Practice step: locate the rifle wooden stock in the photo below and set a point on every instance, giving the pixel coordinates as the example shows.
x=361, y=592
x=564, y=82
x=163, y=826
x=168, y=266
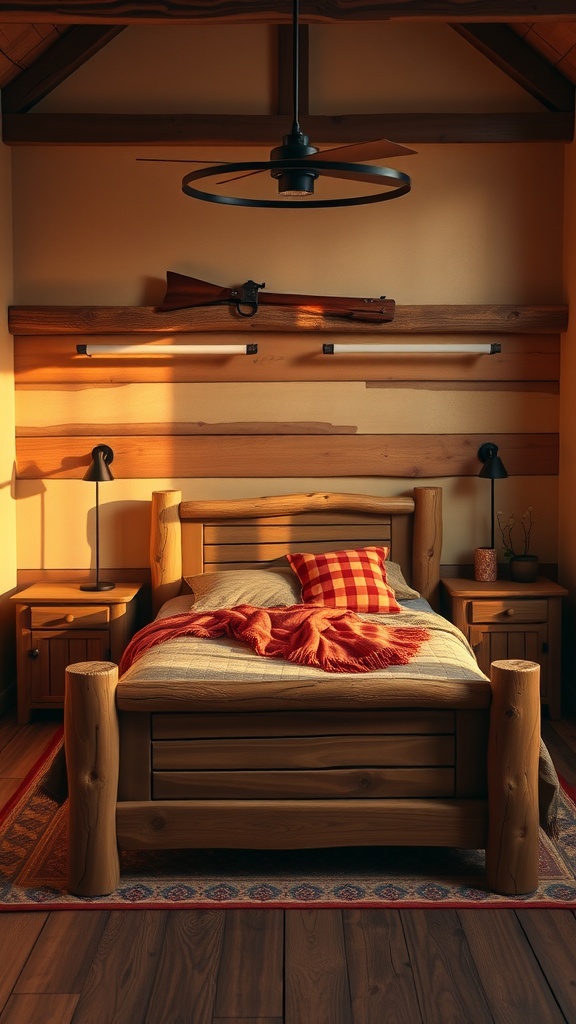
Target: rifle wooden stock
x=184, y=292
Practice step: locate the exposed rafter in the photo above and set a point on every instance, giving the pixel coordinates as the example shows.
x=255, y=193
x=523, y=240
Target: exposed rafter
x=518, y=60
x=209, y=11
x=68, y=53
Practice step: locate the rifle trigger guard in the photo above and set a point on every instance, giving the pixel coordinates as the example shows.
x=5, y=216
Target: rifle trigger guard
x=248, y=299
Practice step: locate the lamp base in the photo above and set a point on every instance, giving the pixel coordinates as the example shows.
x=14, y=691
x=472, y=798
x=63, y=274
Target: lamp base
x=101, y=585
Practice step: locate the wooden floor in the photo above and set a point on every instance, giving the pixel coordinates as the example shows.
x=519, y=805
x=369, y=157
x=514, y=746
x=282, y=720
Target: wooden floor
x=269, y=966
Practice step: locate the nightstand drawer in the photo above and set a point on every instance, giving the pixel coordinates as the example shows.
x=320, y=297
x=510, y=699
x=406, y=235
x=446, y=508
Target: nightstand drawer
x=508, y=610
x=69, y=616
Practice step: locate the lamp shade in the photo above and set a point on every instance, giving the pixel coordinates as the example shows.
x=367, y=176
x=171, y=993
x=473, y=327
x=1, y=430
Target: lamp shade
x=493, y=468
x=99, y=471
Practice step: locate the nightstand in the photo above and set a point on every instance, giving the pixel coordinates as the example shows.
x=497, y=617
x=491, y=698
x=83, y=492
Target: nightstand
x=58, y=624
x=511, y=620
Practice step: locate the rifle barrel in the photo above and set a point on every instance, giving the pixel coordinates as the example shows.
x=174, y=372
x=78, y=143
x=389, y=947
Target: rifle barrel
x=184, y=292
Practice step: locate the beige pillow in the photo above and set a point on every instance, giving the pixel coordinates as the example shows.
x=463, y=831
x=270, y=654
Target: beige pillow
x=395, y=578
x=264, y=588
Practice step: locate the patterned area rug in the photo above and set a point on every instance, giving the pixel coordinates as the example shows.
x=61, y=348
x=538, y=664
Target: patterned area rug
x=33, y=870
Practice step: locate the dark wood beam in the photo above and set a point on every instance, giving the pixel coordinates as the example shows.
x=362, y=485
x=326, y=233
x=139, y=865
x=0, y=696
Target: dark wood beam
x=210, y=11
x=501, y=45
x=65, y=56
x=267, y=130
x=94, y=320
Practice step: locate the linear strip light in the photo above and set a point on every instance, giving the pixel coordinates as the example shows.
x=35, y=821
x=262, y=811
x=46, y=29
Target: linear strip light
x=166, y=350
x=447, y=348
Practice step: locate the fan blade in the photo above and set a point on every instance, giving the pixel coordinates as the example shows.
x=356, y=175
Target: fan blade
x=358, y=152
x=167, y=160
x=237, y=177
x=366, y=179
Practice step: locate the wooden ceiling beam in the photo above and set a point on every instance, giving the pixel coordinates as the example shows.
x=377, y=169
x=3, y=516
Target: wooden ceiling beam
x=501, y=45
x=110, y=12
x=267, y=129
x=54, y=66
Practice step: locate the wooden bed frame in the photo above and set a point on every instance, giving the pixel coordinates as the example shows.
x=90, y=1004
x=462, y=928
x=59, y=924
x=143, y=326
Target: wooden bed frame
x=309, y=764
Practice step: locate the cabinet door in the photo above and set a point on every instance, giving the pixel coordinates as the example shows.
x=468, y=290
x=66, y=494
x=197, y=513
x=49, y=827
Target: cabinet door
x=497, y=643
x=51, y=653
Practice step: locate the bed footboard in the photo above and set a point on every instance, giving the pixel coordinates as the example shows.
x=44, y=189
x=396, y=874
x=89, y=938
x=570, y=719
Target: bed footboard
x=97, y=820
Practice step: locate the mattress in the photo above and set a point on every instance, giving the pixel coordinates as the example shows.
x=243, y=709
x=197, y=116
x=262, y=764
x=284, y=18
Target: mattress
x=445, y=656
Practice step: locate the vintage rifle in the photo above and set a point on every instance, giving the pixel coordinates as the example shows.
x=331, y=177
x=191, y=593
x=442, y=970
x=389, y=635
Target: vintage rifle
x=185, y=292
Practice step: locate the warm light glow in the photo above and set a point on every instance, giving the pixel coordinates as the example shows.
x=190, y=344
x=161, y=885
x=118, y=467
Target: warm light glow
x=446, y=348
x=166, y=350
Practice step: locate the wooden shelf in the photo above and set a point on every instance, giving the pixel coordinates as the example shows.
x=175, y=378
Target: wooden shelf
x=98, y=320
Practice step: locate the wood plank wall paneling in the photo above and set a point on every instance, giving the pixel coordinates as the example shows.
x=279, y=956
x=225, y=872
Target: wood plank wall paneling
x=287, y=412
x=400, y=455
x=47, y=359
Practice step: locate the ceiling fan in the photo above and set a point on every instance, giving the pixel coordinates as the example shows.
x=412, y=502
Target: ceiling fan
x=296, y=164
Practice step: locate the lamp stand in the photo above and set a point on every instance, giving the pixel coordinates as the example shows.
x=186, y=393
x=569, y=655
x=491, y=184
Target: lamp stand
x=492, y=512
x=99, y=584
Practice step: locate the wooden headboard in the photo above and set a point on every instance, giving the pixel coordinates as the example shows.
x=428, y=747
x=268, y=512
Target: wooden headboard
x=189, y=537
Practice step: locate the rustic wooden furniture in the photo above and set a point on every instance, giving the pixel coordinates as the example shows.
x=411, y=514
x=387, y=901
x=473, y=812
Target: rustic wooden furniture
x=512, y=620
x=399, y=737
x=56, y=624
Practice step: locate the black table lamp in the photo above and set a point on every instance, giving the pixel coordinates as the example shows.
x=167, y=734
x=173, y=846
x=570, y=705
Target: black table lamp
x=493, y=469
x=98, y=472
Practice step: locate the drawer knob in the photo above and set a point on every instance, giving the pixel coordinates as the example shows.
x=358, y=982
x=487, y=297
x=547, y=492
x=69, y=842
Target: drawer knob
x=69, y=617
x=510, y=612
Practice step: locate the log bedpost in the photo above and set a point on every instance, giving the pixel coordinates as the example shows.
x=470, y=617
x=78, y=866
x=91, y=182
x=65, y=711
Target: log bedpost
x=165, y=547
x=427, y=542
x=92, y=762
x=513, y=751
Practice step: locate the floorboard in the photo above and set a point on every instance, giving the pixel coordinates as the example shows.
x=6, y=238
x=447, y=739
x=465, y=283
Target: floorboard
x=447, y=980
x=317, y=987
x=513, y=983
x=63, y=953
x=250, y=978
x=552, y=936
x=184, y=986
x=382, y=985
x=119, y=981
x=38, y=1007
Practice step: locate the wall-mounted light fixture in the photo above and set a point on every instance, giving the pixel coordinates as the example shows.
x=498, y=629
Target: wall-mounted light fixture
x=444, y=348
x=166, y=350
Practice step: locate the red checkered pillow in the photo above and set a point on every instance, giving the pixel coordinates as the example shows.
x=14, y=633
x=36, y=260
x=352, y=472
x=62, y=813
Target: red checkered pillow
x=354, y=579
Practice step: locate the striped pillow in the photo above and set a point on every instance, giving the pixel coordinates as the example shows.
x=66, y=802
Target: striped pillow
x=354, y=579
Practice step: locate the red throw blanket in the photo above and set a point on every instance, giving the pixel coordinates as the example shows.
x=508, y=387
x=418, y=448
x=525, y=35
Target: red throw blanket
x=332, y=639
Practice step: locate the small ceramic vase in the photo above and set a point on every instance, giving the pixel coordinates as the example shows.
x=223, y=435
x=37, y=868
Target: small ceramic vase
x=485, y=565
